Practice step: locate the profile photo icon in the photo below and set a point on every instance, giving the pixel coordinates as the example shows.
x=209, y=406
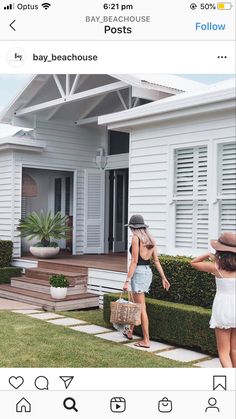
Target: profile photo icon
x=212, y=402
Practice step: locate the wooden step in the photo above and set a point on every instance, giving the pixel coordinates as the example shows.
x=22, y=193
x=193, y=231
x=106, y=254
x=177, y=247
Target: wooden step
x=45, y=273
x=62, y=266
x=43, y=286
x=46, y=302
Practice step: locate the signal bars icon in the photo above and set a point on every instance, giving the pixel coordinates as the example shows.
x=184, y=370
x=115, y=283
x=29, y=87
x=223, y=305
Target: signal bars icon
x=9, y=6
x=46, y=5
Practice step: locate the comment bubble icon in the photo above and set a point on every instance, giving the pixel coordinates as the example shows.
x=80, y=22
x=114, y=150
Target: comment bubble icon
x=41, y=383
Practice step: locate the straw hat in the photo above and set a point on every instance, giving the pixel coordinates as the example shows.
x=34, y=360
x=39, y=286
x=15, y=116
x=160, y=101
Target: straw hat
x=225, y=243
x=136, y=221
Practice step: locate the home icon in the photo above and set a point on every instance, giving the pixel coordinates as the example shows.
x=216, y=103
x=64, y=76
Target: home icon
x=23, y=406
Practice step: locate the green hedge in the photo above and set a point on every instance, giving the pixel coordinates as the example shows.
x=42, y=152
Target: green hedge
x=177, y=324
x=188, y=286
x=7, y=273
x=6, y=249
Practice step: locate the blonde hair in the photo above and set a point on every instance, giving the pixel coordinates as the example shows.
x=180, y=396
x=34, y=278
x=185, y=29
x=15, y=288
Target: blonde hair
x=144, y=236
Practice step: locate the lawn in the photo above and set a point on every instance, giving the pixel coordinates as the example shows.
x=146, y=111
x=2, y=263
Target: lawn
x=27, y=342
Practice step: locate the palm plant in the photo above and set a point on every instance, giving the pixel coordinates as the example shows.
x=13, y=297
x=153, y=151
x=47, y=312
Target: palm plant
x=44, y=227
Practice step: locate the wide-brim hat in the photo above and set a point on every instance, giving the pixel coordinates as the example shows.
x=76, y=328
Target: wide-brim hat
x=225, y=243
x=136, y=221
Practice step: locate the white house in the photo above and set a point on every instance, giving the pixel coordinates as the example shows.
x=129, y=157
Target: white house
x=100, y=148
x=75, y=164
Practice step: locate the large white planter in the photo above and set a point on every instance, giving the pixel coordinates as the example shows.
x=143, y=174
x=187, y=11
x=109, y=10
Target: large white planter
x=44, y=252
x=58, y=293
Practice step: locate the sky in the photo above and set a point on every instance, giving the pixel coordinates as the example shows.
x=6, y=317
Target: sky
x=11, y=85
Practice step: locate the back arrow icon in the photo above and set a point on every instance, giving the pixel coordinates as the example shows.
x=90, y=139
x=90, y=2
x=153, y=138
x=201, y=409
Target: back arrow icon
x=12, y=23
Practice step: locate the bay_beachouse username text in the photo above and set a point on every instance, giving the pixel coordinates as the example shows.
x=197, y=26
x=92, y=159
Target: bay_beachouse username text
x=48, y=58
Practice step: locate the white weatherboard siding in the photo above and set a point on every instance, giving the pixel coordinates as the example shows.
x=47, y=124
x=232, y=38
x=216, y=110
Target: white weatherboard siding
x=6, y=195
x=103, y=281
x=68, y=148
x=152, y=169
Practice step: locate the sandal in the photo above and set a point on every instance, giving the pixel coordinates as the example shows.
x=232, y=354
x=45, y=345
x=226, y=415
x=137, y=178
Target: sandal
x=139, y=345
x=127, y=336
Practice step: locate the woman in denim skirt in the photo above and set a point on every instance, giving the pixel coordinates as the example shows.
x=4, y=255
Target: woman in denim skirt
x=142, y=248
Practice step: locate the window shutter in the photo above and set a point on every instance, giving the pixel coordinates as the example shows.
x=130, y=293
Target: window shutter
x=201, y=169
x=227, y=186
x=94, y=214
x=184, y=224
x=227, y=215
x=201, y=238
x=191, y=223
x=227, y=178
x=184, y=163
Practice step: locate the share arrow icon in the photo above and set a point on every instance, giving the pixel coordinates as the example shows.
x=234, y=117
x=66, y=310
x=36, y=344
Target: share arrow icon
x=67, y=380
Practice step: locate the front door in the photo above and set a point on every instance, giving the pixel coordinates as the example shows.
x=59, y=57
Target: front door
x=118, y=209
x=61, y=200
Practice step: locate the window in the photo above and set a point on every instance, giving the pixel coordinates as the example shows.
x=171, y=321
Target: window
x=226, y=192
x=190, y=197
x=118, y=142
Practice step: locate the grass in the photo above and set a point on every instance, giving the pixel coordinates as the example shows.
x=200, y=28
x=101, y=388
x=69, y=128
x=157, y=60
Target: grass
x=27, y=342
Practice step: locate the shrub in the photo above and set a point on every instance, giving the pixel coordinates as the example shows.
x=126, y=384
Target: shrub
x=59, y=281
x=177, y=324
x=7, y=273
x=6, y=249
x=188, y=286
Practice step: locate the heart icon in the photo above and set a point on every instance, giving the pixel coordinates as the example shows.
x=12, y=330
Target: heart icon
x=16, y=382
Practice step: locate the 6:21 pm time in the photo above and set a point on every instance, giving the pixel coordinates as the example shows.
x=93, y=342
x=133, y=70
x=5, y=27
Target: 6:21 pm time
x=117, y=6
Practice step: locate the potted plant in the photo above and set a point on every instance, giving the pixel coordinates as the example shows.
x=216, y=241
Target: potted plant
x=59, y=285
x=44, y=227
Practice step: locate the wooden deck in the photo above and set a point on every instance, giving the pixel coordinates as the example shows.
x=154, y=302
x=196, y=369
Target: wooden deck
x=111, y=262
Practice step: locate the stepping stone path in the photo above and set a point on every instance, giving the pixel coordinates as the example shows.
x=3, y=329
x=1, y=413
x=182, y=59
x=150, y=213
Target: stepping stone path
x=45, y=316
x=154, y=346
x=91, y=329
x=210, y=363
x=26, y=311
x=66, y=321
x=183, y=355
x=157, y=348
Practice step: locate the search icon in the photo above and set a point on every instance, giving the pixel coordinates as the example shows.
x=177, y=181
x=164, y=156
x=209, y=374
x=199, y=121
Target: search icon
x=70, y=404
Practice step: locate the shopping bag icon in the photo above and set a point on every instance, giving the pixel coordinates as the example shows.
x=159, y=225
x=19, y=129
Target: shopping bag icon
x=165, y=405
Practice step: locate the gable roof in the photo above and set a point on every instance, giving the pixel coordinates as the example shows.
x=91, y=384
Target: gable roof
x=42, y=88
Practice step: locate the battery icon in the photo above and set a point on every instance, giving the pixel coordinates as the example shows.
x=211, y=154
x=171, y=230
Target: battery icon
x=224, y=6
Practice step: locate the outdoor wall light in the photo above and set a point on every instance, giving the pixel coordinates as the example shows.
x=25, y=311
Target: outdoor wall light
x=101, y=158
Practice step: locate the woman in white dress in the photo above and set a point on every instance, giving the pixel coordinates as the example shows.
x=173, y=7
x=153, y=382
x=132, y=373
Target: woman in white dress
x=223, y=265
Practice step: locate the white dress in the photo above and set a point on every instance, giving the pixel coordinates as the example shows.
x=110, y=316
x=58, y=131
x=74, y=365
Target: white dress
x=224, y=305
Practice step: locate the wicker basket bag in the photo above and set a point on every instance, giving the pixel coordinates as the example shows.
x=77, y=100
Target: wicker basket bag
x=127, y=312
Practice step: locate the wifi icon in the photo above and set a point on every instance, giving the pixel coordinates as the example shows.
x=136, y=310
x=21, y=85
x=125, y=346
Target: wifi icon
x=46, y=5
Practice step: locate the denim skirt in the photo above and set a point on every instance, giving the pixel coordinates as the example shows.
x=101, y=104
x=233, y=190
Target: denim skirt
x=141, y=279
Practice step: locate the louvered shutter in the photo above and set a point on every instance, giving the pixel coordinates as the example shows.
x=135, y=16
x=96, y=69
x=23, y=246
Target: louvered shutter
x=94, y=211
x=191, y=222
x=184, y=165
x=227, y=186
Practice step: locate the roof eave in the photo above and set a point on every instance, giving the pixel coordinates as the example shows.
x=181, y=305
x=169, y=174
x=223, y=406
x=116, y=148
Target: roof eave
x=169, y=105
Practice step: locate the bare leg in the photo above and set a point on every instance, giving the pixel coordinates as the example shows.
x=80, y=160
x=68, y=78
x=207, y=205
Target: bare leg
x=233, y=347
x=223, y=337
x=140, y=298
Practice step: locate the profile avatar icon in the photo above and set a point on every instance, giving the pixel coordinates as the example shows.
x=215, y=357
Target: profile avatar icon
x=212, y=404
